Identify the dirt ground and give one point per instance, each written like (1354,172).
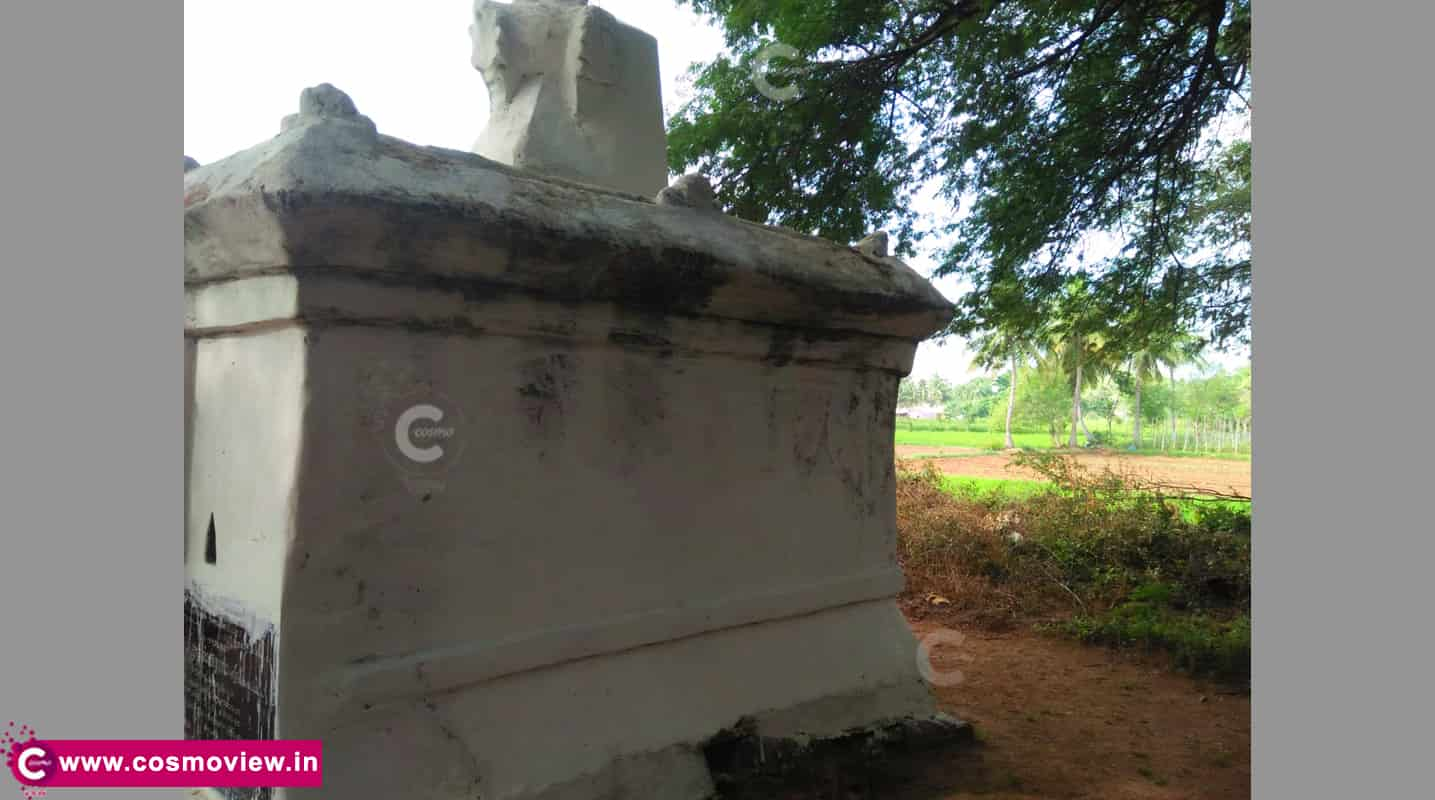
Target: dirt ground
(1210,474)
(1057,719)
(1061,719)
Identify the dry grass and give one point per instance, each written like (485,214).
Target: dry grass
(1102,556)
(957,552)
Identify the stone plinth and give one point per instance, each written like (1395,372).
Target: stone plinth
(514,488)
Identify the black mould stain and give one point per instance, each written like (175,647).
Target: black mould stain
(774,426)
(783,342)
(780,347)
(545,389)
(633,273)
(884,403)
(639,339)
(230,687)
(813,440)
(662,279)
(636,414)
(563,329)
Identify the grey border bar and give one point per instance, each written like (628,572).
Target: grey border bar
(90,314)
(1342,303)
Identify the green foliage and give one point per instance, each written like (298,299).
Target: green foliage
(1101,403)
(1225,518)
(972,400)
(975,399)
(1043,405)
(1197,643)
(935,390)
(1223,394)
(1055,118)
(1220,223)
(1043,399)
(1157,399)
(994,493)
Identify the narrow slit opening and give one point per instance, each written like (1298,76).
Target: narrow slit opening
(211,549)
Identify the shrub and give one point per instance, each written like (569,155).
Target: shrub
(1219,517)
(1197,643)
(1119,561)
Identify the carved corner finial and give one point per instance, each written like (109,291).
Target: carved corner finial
(326,102)
(690,191)
(874,244)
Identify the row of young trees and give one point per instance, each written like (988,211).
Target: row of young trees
(1208,414)
(1211,413)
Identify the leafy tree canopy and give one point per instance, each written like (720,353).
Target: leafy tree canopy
(1060,117)
(1043,397)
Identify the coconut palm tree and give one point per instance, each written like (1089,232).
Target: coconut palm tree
(1157,356)
(1186,349)
(1077,335)
(1148,361)
(1002,348)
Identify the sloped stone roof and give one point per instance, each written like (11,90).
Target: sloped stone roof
(330,193)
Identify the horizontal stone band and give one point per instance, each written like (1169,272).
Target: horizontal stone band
(330,298)
(452,667)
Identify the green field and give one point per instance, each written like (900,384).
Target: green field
(954,434)
(1002,491)
(983,440)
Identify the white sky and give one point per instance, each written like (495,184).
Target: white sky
(407,67)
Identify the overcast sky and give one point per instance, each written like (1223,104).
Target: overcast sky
(406,65)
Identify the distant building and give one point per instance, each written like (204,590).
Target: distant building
(921,412)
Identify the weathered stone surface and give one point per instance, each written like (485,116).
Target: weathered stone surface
(874,244)
(689,191)
(573,93)
(325,102)
(744,761)
(676,509)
